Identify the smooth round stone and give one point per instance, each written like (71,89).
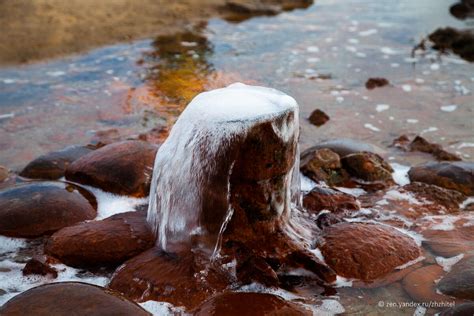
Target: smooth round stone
(466,309)
(53,164)
(420,284)
(346,146)
(366,251)
(97,243)
(37,208)
(459,282)
(458,175)
(70,298)
(241,304)
(122,168)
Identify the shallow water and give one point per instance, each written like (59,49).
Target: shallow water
(321,56)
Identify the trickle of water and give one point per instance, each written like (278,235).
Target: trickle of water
(190,191)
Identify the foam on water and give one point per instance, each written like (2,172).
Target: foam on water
(448,263)
(8,244)
(163,309)
(186,162)
(400,173)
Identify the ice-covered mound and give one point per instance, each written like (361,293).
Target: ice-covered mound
(240,132)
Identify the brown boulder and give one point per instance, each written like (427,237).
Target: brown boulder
(366,251)
(368,167)
(35,266)
(466,309)
(38,208)
(421,284)
(346,146)
(323,165)
(70,298)
(459,282)
(448,198)
(53,165)
(457,175)
(422,145)
(450,243)
(247,304)
(107,242)
(170,277)
(329,199)
(123,168)
(318,118)
(373,83)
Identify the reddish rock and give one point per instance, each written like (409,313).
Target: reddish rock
(123,168)
(328,199)
(450,243)
(53,165)
(323,165)
(421,284)
(373,83)
(366,251)
(70,298)
(457,175)
(38,208)
(247,304)
(346,146)
(368,167)
(105,137)
(176,278)
(35,266)
(107,242)
(460,42)
(318,117)
(422,145)
(441,196)
(459,282)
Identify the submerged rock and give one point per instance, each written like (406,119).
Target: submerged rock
(323,165)
(121,168)
(332,200)
(346,146)
(35,266)
(465,309)
(38,208)
(107,242)
(457,176)
(422,145)
(242,304)
(70,298)
(420,284)
(368,167)
(459,282)
(366,251)
(460,42)
(239,10)
(318,117)
(463,9)
(373,83)
(450,199)
(53,165)
(449,242)
(172,277)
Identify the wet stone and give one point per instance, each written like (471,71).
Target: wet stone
(457,175)
(318,118)
(450,243)
(107,242)
(38,208)
(422,145)
(465,309)
(332,200)
(70,298)
(323,165)
(53,165)
(463,9)
(368,167)
(420,284)
(122,168)
(373,83)
(459,282)
(366,251)
(460,42)
(35,266)
(346,146)
(448,198)
(249,304)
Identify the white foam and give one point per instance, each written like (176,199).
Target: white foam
(410,263)
(406,88)
(8,244)
(312,49)
(371,127)
(342,282)
(407,196)
(412,121)
(109,204)
(388,51)
(163,309)
(449,108)
(8,115)
(448,263)
(466,202)
(400,173)
(446,224)
(466,145)
(356,192)
(329,307)
(307,184)
(368,32)
(382,107)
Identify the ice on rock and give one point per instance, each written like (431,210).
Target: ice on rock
(186,162)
